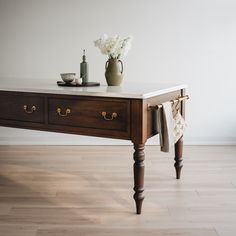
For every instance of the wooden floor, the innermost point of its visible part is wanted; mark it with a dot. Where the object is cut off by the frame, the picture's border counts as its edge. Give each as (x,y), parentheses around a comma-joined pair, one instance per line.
(84,190)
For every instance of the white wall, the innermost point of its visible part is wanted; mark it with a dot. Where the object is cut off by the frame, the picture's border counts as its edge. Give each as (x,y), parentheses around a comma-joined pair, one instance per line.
(190,41)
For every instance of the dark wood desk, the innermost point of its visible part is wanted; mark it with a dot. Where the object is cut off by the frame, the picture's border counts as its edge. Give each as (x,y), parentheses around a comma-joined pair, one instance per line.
(111,112)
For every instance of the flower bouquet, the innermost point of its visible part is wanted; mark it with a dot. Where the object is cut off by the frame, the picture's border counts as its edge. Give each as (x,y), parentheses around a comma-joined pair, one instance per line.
(114,47)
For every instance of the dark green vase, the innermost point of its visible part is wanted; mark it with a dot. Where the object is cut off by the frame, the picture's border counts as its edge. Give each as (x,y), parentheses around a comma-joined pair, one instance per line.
(114,72)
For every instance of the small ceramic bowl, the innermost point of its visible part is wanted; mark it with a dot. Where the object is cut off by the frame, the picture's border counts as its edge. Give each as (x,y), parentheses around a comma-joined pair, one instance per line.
(68,77)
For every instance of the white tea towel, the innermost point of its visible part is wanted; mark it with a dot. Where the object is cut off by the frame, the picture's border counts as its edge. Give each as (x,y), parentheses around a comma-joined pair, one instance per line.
(165,126)
(179,126)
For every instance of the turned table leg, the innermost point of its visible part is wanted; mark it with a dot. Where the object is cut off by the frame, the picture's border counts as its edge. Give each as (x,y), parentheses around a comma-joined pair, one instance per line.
(178,157)
(139,157)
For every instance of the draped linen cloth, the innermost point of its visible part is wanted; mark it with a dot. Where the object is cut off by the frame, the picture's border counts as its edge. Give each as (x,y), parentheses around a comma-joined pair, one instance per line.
(165,126)
(179,126)
(170,128)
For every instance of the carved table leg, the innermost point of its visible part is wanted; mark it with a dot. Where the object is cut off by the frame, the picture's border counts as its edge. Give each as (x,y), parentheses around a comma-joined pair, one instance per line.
(139,157)
(178,157)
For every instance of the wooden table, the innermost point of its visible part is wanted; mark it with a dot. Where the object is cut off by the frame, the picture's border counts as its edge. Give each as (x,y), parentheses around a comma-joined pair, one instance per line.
(112,112)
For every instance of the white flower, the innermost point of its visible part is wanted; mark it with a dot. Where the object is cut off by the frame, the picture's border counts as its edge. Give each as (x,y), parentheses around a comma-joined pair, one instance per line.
(114,47)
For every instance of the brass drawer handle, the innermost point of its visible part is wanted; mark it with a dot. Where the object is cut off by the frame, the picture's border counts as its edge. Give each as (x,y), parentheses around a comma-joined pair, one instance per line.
(32,109)
(112,117)
(68,111)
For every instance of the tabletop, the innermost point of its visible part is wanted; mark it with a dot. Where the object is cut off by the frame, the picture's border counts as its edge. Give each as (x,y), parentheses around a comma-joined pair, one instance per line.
(126,90)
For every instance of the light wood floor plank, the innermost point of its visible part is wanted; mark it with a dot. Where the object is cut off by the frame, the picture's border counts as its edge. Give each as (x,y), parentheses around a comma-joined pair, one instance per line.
(84,190)
(130,232)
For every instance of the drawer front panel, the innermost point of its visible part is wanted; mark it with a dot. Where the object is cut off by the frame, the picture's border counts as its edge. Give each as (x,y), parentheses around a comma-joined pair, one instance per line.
(22,108)
(109,115)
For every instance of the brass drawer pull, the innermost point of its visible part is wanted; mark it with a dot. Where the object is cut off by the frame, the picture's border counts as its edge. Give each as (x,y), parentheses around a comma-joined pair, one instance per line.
(68,111)
(32,109)
(112,117)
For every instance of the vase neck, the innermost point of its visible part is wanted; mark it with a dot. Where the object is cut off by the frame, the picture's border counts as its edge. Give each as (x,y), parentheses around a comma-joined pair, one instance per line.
(113,59)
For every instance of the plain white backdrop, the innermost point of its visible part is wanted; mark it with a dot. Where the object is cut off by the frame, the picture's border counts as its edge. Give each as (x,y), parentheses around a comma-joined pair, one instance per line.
(179,41)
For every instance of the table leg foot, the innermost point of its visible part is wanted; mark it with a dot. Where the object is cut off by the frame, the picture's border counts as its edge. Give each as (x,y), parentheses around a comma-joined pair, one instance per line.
(139,157)
(178,157)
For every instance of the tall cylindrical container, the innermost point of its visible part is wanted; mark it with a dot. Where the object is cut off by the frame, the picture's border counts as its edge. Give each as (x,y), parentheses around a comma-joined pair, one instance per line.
(84,69)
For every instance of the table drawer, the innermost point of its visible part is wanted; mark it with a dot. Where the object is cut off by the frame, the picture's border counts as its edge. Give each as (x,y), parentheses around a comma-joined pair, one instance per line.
(98,114)
(22,107)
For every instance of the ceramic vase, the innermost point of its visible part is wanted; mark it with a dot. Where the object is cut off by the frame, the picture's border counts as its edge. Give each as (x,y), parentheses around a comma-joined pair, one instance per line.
(114,72)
